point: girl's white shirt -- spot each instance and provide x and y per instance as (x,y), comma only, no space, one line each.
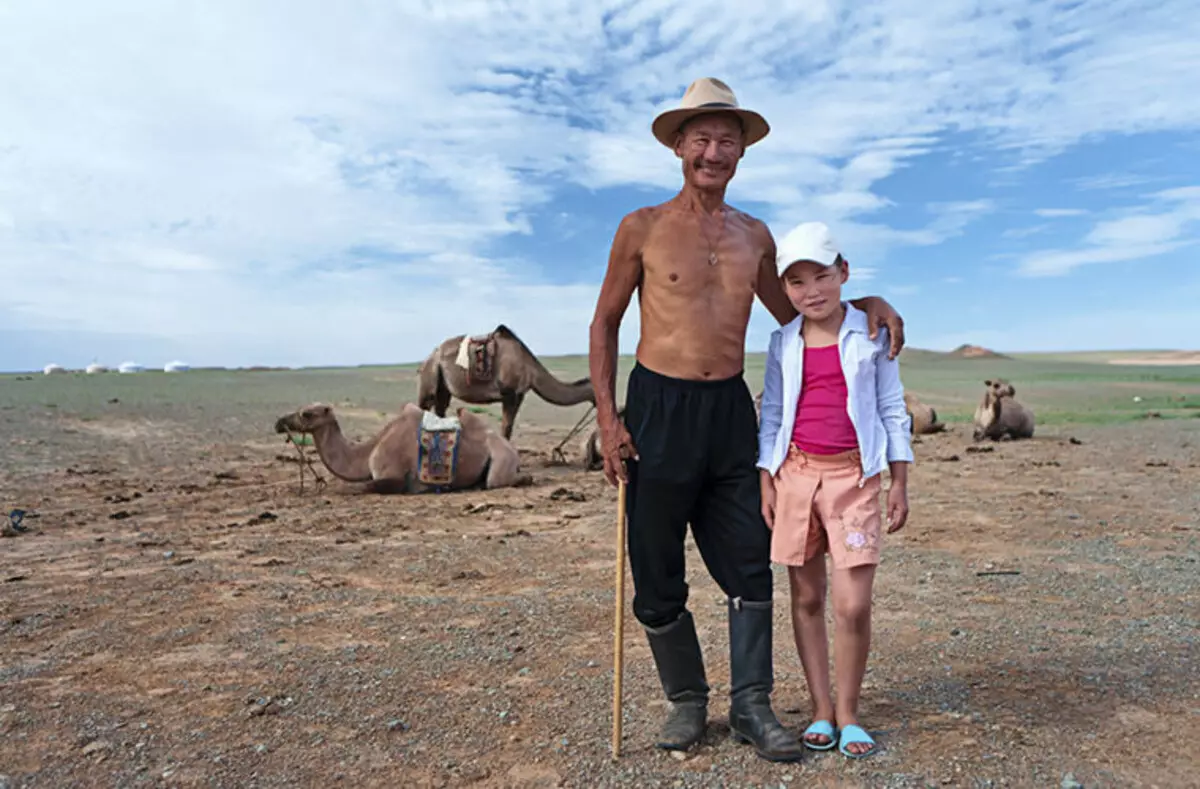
(875,401)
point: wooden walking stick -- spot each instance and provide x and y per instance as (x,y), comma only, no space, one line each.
(619,626)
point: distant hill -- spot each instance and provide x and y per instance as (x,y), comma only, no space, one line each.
(967,351)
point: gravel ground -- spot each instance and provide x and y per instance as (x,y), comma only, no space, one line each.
(180,614)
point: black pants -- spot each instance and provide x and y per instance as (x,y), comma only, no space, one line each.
(697,446)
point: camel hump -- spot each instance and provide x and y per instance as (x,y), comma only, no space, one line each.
(502,330)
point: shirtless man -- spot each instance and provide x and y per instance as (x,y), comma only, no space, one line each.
(689,444)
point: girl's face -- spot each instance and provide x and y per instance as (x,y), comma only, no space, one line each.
(815,290)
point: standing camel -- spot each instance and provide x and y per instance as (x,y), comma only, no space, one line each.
(492,368)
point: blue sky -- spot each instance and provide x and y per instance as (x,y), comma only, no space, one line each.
(290,183)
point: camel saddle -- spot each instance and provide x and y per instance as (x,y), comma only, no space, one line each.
(437,448)
(477,355)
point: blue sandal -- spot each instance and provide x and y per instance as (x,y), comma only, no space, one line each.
(855,733)
(820,727)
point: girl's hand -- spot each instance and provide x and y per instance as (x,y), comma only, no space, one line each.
(767,486)
(897,501)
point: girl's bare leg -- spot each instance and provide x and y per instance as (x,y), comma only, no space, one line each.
(852,641)
(807,584)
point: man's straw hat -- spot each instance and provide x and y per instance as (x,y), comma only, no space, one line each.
(707,94)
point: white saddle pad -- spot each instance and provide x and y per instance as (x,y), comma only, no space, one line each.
(463,358)
(432,422)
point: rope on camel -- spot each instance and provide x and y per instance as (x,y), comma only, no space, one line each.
(557,453)
(305,460)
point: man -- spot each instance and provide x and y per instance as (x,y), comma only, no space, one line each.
(689,444)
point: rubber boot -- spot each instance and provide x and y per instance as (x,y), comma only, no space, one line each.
(680,664)
(751,676)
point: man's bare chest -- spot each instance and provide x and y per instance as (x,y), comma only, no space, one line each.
(687,258)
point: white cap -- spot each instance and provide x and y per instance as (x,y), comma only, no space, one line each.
(807,241)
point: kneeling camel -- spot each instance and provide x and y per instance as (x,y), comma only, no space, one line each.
(999,415)
(924,417)
(459,452)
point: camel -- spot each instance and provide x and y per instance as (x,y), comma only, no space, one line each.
(924,417)
(492,368)
(999,415)
(592,459)
(391,460)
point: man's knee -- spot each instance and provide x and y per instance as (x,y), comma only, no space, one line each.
(658,613)
(750,579)
(758,582)
(754,580)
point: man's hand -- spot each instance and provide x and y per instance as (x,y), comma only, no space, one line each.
(767,486)
(897,501)
(616,446)
(879,315)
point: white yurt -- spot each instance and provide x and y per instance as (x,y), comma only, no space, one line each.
(51,369)
(130,367)
(175,367)
(94,368)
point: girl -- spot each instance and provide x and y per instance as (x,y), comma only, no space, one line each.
(833,417)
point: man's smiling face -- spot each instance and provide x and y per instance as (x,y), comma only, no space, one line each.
(710,147)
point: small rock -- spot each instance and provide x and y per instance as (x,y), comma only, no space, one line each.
(397,725)
(96,746)
(1069,782)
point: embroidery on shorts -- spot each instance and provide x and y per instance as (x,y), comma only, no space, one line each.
(856,537)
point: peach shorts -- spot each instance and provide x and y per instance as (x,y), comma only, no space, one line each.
(820,508)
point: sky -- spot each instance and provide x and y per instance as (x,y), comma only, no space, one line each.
(311,183)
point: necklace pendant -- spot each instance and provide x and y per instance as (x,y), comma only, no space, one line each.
(712,258)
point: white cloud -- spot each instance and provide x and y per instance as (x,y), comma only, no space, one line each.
(1146,232)
(234,176)
(1112,181)
(1025,232)
(1049,213)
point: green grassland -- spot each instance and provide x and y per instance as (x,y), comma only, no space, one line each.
(1061,388)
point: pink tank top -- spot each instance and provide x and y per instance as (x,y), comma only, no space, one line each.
(823,426)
